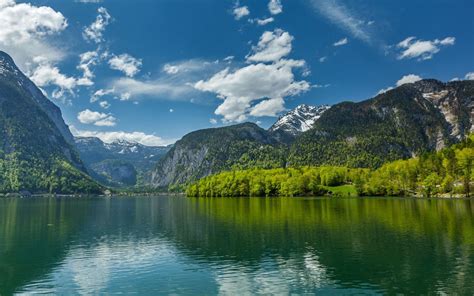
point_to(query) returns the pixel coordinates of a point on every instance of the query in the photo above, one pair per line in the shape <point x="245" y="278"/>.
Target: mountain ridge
<point x="401" y="123"/>
<point x="35" y="154"/>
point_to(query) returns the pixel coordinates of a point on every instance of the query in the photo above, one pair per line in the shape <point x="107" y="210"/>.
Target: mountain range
<point x="120" y="163"/>
<point x="38" y="152"/>
<point x="401" y="123"/>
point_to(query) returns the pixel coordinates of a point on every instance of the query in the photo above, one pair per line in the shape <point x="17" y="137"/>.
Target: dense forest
<point x="448" y="172"/>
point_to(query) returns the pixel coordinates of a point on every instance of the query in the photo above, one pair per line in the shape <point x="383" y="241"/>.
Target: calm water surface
<point x="175" y="245"/>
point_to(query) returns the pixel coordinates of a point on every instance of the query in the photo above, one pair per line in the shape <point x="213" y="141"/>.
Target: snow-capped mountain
<point x="119" y="162"/>
<point x="299" y="120"/>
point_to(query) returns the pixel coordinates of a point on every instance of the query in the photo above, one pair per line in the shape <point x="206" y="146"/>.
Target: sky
<point x="151" y="71"/>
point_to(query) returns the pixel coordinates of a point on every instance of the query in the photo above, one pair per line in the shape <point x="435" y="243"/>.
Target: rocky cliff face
<point x="204" y="152"/>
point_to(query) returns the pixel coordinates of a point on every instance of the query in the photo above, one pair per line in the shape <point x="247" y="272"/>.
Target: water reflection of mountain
<point x="229" y="245"/>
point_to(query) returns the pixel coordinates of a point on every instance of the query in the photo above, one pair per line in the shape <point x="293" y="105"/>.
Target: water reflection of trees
<point x="397" y="246"/>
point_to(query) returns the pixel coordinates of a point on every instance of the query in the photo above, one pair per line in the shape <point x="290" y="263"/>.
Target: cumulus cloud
<point x="252" y="83"/>
<point x="47" y="74"/>
<point x="269" y="107"/>
<point x="271" y="47"/>
<point x="323" y="59"/>
<point x="422" y="49"/>
<point x="137" y="137"/>
<point x="343" y="17"/>
<point x="96" y="118"/>
<point x="410" y="78"/>
<point x="126" y="63"/>
<point x="213" y="121"/>
<point x="25" y="29"/>
<point x="341" y="42"/>
<point x="275" y="7"/>
<point x="94" y="32"/>
<point x="240" y="12"/>
<point x="469" y="76"/>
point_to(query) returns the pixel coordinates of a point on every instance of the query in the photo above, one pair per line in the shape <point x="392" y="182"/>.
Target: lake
<point x="178" y="245"/>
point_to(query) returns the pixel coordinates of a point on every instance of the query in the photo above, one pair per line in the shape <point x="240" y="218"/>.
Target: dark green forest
<point x="448" y="172"/>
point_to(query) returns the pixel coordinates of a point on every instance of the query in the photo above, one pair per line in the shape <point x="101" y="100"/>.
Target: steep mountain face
<point x="120" y="163"/>
<point x="298" y="120"/>
<point x="404" y="122"/>
<point x="9" y="71"/>
<point x="409" y="120"/>
<point x="208" y="151"/>
<point x="35" y="150"/>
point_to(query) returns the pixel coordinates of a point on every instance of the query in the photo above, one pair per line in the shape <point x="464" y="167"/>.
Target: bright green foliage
<point x="448" y="171"/>
<point x="305" y="181"/>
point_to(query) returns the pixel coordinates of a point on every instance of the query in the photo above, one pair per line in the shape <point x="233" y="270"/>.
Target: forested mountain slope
<point x="404" y="122"/>
<point x="36" y="152"/>
<point x="208" y="151"/>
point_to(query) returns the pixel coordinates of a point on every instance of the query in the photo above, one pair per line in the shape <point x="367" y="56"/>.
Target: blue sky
<point x="153" y="70"/>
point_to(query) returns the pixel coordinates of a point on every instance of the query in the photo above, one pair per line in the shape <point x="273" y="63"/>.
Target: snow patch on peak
<point x="299" y="120"/>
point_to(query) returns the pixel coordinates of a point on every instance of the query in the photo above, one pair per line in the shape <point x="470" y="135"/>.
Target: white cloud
<point x="46" y="74"/>
<point x="323" y="59"/>
<point x="270" y="107"/>
<point x="126" y="63"/>
<point x="213" y="121"/>
<point x="271" y="47"/>
<point x="240" y="12"/>
<point x="88" y="60"/>
<point x="129" y="87"/>
<point x="171" y="110"/>
<point x="229" y="59"/>
<point x="104" y="104"/>
<point x="137" y="137"/>
<point x="25" y="30"/>
<point x="97" y="118"/>
<point x="410" y="78"/>
<point x="275" y="7"/>
<point x="341" y="42"/>
<point x="469" y="76"/>
<point x="100" y="93"/>
<point x="94" y="32"/>
<point x="343" y="17"/>
<point x="189" y="66"/>
<point x="254" y="82"/>
<point x="384" y="90"/>
<point x="170" y="69"/>
<point x="262" y="22"/>
<point x="422" y="49"/>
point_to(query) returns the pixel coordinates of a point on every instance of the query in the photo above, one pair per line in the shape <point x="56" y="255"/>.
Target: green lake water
<point x="178" y="245"/>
